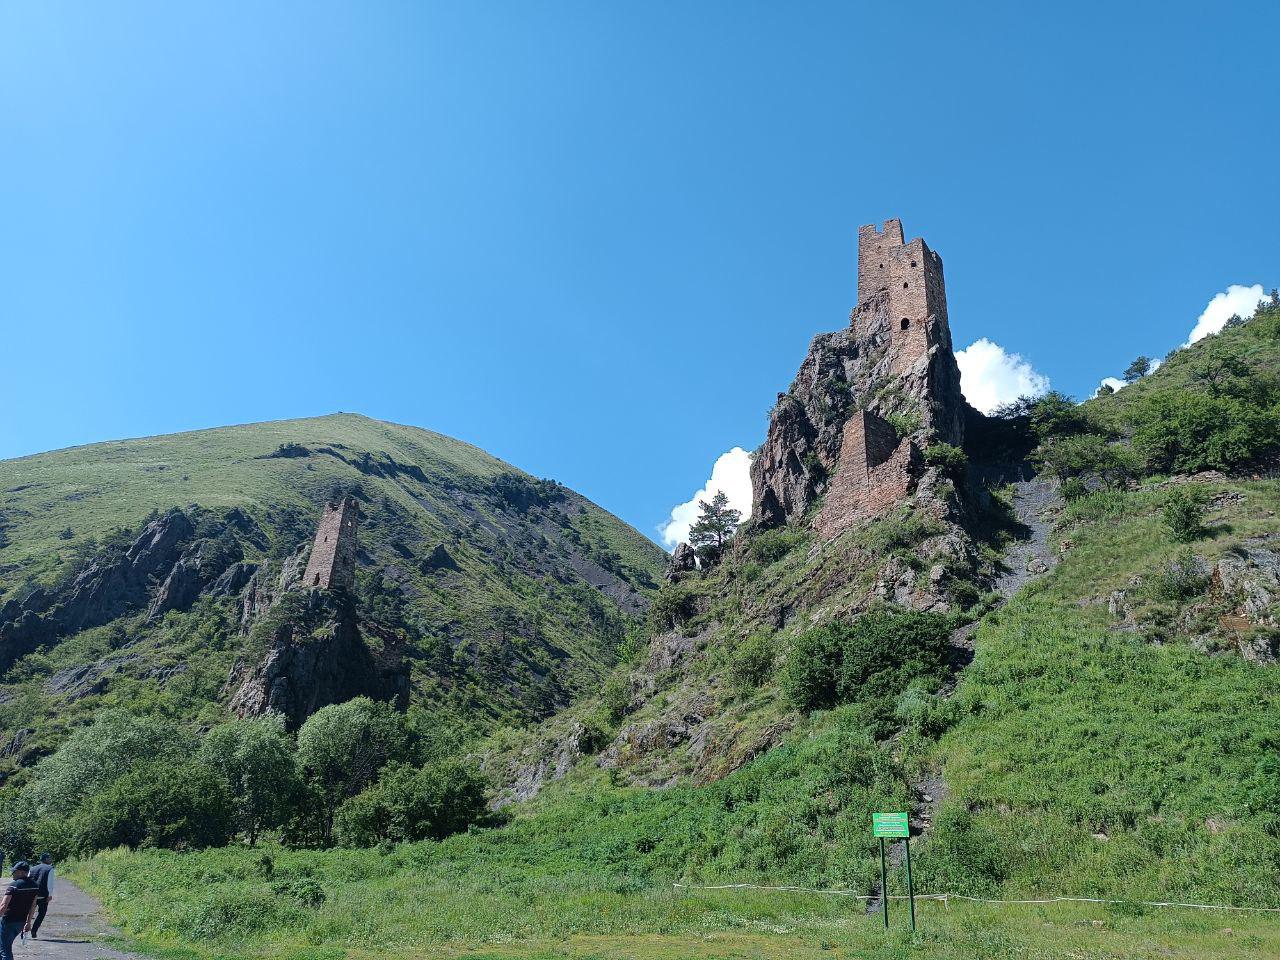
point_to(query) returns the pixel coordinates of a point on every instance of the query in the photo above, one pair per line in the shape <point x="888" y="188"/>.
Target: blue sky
<point x="595" y="238"/>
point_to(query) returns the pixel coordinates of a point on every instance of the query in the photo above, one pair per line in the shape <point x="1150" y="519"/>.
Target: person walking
<point x="42" y="877"/>
<point x="16" y="907"/>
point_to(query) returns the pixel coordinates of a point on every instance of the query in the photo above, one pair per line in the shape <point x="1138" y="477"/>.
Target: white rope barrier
<point x="945" y="897"/>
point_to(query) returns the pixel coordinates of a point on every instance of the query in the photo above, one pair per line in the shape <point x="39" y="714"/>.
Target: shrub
<point x="770" y="546"/>
<point x="1089" y="455"/>
<point x="615" y="699"/>
<point x="904" y="423"/>
<point x="1074" y="489"/>
<point x="751" y="662"/>
<point x="870" y="659"/>
<point x="429" y="803"/>
<point x="1185" y="577"/>
<point x="946" y="457"/>
<point x="1183" y="514"/>
<point x="673" y="605"/>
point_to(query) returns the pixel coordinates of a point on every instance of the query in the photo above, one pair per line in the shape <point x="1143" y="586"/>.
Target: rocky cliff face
<point x="901" y="373"/>
<point x="316" y="653"/>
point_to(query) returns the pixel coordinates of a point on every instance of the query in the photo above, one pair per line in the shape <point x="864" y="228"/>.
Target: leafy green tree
<point x="255" y="758"/>
<point x="715" y="523"/>
<point x="94" y="757"/>
<point x="166" y="803"/>
<point x="1089" y="455"/>
<point x="429" y="803"/>
<point x="1188" y="432"/>
<point x="1140" y="367"/>
<point x="342" y="747"/>
<point x="1218" y="368"/>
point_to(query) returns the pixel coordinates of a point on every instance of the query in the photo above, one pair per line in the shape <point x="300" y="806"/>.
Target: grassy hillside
<point x="525" y="607"/>
<point x="1113" y="737"/>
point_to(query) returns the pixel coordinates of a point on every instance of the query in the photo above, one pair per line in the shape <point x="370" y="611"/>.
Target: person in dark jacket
<point x="42" y="876"/>
<point x="16" y="908"/>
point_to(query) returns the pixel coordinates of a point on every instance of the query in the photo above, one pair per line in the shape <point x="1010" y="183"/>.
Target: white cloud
<point x="989" y="376"/>
<point x="1115" y="383"/>
<point x="1235" y="299"/>
<point x="732" y="474"/>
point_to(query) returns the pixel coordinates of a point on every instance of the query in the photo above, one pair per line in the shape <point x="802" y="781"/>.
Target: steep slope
<point x="132" y="572"/>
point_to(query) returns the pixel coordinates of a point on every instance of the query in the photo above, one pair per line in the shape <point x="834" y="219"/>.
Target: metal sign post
<point x="894" y="826"/>
<point x="884" y="886"/>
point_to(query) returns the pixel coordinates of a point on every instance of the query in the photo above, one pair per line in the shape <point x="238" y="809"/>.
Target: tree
<point x="343" y="746"/>
<point x="1218" y="368"/>
<point x="1089" y="455"/>
<point x="1105" y="390"/>
<point x="166" y="803"/>
<point x="255" y="759"/>
<point x="96" y="756"/>
<point x="1138" y="369"/>
<point x="716" y="523"/>
<point x="430" y="803"/>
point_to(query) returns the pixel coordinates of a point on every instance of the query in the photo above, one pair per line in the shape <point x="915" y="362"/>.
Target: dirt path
<point x="1035" y="503"/>
<point x="72" y="930"/>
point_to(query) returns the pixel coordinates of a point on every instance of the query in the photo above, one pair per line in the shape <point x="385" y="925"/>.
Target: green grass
<point x="409" y="903"/>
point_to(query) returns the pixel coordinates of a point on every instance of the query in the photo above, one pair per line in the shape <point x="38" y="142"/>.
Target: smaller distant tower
<point x="332" y="565"/>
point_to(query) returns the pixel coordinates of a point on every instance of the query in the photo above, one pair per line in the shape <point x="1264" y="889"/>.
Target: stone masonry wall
<point x="875" y="472"/>
<point x="332" y="565"/>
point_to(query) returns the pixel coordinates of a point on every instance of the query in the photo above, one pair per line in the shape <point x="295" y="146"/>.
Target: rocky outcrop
<point x="894" y="376"/>
<point x="683" y="560"/>
<point x="200" y="565"/>
<point x="315" y="655"/>
<point x="115" y="583"/>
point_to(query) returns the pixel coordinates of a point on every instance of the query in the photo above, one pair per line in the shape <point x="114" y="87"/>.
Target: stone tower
<point x="904" y="279"/>
<point x="332" y="565"/>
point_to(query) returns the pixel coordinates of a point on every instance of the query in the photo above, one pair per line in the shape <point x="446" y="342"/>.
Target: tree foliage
<point x="255" y="759"/>
<point x="716" y="522"/>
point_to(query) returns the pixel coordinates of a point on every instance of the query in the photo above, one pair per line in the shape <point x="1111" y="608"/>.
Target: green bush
<point x="1185" y="578"/>
<point x="1085" y="455"/>
<point x="870" y="659"/>
<point x="429" y="803"/>
<point x="770" y="546"/>
<point x="751" y="663"/>
<point x="673" y="605"/>
<point x="946" y="457"/>
<point x="1183" y="514"/>
<point x="1186" y="432"/>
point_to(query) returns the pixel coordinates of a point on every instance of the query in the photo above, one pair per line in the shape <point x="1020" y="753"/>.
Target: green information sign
<point x="890" y="825"/>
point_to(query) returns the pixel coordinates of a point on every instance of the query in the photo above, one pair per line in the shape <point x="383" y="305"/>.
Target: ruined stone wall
<point x="876" y="472"/>
<point x="332" y="565"/>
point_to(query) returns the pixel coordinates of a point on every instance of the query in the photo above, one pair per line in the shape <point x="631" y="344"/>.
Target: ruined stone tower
<point x="869" y="399"/>
<point x="905" y="281"/>
<point x="332" y="565"/>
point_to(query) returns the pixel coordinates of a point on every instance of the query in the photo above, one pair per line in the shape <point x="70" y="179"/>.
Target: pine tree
<point x="716" y="523"/>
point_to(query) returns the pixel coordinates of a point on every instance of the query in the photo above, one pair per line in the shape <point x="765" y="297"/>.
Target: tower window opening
<point x="905" y="323"/>
<point x="882" y="266"/>
<point x="904" y="284"/>
<point x="913" y="263"/>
